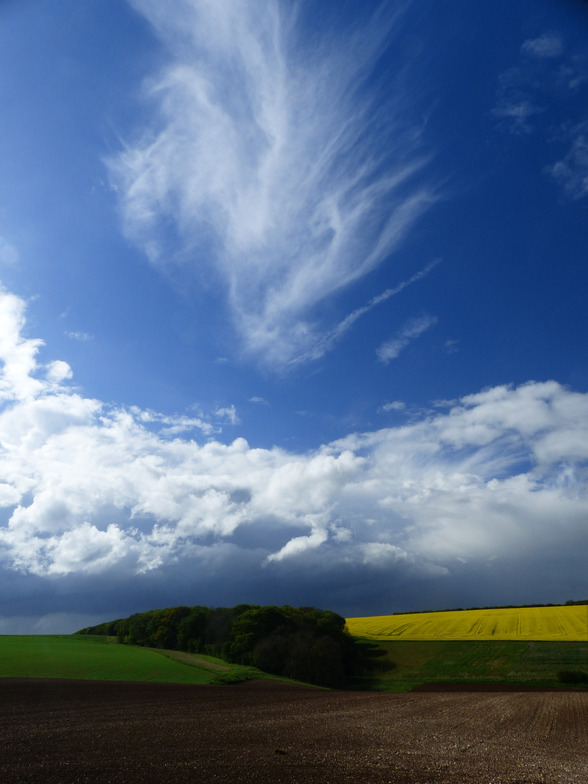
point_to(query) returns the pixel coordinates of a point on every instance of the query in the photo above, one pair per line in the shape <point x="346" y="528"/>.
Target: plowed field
<point x="263" y="731"/>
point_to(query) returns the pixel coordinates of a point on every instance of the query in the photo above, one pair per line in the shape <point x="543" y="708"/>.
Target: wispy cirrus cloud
<point x="272" y="162"/>
<point x="330" y="338"/>
<point x="412" y="329"/>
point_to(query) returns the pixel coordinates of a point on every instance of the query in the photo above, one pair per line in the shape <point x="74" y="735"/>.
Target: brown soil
<point x="264" y="731"/>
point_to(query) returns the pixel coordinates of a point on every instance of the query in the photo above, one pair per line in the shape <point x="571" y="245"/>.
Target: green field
<point x="101" y="658"/>
<point x="556" y="624"/>
<point x="401" y="665"/>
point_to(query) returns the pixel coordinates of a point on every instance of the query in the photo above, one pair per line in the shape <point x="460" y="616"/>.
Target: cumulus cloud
<point x="496" y="480"/>
<point x="16" y="353"/>
<point x="58" y="371"/>
<point x="411" y="330"/>
<point x="272" y="162"/>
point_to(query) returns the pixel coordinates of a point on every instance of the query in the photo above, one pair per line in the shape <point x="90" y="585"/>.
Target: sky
<point x="292" y="306"/>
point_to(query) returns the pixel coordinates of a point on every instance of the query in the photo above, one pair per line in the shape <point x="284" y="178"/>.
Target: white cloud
<point x="81" y="336"/>
<point x="571" y="173"/>
<point x="329" y="339"/>
<point x="382" y="554"/>
<point x="261" y="401"/>
<point x="173" y="424"/>
<point x="58" y="371"/>
<point x="531" y="95"/>
<point x="86" y="548"/>
<point x="451" y="346"/>
<point x="517" y="112"/>
<point x="86" y="489"/>
<point x="272" y="161"/>
<point x="394" y="405"/>
<point x="411" y="330"/>
<point x="9" y="255"/>
<point x="546" y="45"/>
<point x="300" y="545"/>
<point x="517" y="99"/>
<point x="228" y="414"/>
<point x="17" y="353"/>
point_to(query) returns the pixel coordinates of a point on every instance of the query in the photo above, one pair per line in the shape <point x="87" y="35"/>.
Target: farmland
<point x="61" y="732"/>
<point x="517" y="646"/>
<point x="398" y="665"/>
<point x="100" y="658"/>
<point x="554" y="624"/>
<point x="402" y="665"/>
<point x="473" y="710"/>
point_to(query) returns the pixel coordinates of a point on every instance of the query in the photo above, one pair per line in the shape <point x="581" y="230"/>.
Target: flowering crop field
<point x="564" y="624"/>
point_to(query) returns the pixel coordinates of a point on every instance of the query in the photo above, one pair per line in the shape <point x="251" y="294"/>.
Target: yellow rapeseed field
<point x="566" y="624"/>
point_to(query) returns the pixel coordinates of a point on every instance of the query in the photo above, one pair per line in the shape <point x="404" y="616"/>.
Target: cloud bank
<point x="493" y="486"/>
<point x="269" y="160"/>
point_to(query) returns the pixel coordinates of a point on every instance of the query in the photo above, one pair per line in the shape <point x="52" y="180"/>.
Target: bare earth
<point x="264" y="731"/>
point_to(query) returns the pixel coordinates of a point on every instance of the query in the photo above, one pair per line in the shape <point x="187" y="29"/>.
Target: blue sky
<point x="292" y="305"/>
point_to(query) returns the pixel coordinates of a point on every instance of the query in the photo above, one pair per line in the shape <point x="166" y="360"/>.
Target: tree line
<point x="302" y="643"/>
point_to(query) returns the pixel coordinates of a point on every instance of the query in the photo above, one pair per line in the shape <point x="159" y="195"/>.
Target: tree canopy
<point x="303" y="643"/>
